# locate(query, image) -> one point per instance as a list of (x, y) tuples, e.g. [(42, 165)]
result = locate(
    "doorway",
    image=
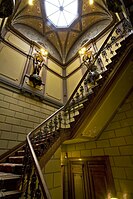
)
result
[(89, 178)]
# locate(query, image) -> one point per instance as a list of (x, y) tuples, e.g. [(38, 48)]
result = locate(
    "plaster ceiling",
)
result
[(62, 44)]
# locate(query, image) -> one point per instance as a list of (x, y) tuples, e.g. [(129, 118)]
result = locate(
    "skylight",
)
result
[(61, 13)]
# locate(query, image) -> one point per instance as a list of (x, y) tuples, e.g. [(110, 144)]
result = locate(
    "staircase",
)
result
[(10, 176), (22, 168)]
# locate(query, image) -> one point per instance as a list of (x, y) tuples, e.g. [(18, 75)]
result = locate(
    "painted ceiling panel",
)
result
[(62, 43)]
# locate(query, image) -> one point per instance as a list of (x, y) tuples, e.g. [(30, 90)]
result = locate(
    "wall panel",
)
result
[(73, 66), (12, 63), (53, 87), (72, 82), (17, 42), (55, 67)]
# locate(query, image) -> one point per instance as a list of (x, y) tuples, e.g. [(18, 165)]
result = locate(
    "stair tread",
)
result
[(16, 157), (7, 176), (8, 193), (10, 164)]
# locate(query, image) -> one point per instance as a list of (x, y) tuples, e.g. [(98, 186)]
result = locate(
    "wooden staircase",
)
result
[(47, 141)]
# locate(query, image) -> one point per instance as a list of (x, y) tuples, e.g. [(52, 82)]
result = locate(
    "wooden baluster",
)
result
[(109, 47), (104, 55), (55, 123), (28, 172), (86, 86), (60, 120), (82, 91), (38, 193), (65, 117), (33, 185), (73, 105)]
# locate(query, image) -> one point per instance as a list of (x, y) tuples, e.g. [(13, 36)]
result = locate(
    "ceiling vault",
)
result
[(62, 43)]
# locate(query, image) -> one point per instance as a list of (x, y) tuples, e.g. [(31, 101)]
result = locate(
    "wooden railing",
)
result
[(49, 131)]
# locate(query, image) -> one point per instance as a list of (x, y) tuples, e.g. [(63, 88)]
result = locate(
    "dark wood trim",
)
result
[(11, 152), (86, 163)]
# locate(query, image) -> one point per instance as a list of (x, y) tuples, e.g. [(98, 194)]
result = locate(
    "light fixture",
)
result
[(30, 2), (66, 155), (44, 52), (91, 2), (113, 198), (82, 51)]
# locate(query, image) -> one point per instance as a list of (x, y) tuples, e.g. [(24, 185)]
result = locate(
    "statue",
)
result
[(38, 63)]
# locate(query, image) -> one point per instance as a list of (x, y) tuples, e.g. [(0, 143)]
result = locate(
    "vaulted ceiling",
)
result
[(62, 43)]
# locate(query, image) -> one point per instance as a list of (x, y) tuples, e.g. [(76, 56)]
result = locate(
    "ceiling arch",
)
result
[(62, 43)]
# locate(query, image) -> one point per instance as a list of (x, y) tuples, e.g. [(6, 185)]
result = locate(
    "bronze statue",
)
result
[(38, 63)]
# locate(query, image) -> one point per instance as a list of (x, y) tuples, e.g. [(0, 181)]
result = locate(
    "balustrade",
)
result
[(47, 133)]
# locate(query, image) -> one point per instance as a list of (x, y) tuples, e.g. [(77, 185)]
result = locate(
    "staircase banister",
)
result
[(100, 50), (35, 160), (45, 121), (42, 183), (104, 43)]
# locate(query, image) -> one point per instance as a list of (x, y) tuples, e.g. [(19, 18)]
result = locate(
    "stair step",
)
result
[(127, 40), (10, 194), (21, 153), (11, 168), (9, 181), (16, 159)]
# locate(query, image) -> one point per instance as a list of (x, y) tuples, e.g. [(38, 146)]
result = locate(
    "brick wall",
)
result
[(18, 116), (117, 142), (52, 174)]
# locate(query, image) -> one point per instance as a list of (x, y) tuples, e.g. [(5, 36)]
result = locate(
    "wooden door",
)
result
[(90, 178), (98, 181), (78, 182)]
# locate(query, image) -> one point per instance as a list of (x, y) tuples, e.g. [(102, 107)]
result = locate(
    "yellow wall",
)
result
[(12, 64), (18, 116), (73, 81), (52, 174), (17, 62), (73, 66), (17, 42), (54, 87), (116, 141), (54, 67)]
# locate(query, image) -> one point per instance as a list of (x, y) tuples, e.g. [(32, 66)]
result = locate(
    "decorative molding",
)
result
[(17, 42), (11, 78), (53, 97)]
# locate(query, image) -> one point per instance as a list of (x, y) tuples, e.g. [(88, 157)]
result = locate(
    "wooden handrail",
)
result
[(33, 155), (6, 155)]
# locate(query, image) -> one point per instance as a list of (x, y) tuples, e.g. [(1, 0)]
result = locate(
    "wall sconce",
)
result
[(82, 51), (39, 59), (44, 52), (110, 197), (86, 54), (30, 2), (91, 2), (66, 155)]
